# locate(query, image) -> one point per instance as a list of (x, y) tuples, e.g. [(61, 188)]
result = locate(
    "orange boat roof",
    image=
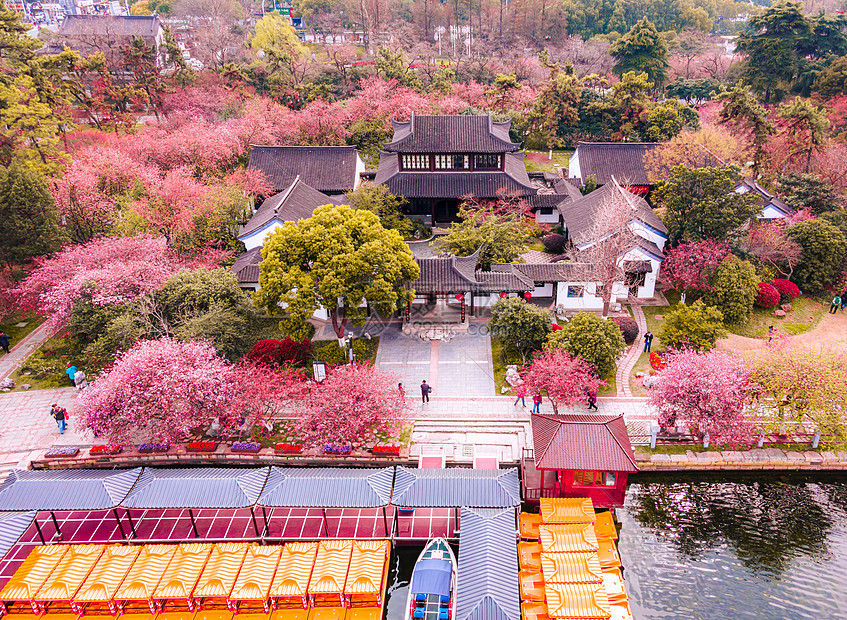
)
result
[(70, 573), (331, 565), (257, 573), (571, 568), (35, 570), (571, 537), (367, 566), (327, 613), (364, 613), (607, 551), (290, 614), (213, 614), (107, 575), (605, 526), (585, 601), (184, 571), (145, 574), (294, 570), (567, 510), (222, 569)]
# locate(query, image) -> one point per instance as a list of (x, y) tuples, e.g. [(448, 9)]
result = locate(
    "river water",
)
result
[(734, 548)]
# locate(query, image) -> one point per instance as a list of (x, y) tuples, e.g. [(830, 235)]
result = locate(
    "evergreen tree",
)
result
[(28, 217), (642, 49)]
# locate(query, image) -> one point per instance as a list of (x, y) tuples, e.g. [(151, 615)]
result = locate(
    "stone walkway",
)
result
[(630, 358), (19, 352)]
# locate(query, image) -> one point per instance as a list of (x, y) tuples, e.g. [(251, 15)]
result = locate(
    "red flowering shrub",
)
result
[(279, 352), (768, 296), (554, 243), (656, 361), (629, 328), (786, 288)]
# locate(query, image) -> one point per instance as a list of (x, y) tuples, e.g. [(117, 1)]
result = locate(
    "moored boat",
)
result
[(433, 583)]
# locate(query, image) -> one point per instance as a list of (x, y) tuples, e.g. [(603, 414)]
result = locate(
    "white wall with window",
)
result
[(547, 215)]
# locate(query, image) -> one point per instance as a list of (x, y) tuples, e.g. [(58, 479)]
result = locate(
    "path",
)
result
[(832, 330), (630, 358), (19, 352)]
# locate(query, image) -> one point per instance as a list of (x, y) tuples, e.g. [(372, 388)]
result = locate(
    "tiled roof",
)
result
[(567, 188), (542, 201), (582, 442), (197, 487), (246, 266), (143, 26), (455, 487), (328, 487), (296, 202), (623, 160), (539, 272), (763, 197), (325, 168), (579, 215), (458, 274), (68, 489), (649, 247), (451, 134), (513, 180), (487, 577)]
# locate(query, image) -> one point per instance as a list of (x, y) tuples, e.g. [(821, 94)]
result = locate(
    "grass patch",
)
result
[(500, 360), (15, 333), (536, 245), (611, 379), (805, 314), (536, 161), (683, 448), (45, 367)]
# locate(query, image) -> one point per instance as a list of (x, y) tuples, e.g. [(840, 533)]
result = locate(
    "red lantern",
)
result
[(528, 294), (502, 294), (460, 297)]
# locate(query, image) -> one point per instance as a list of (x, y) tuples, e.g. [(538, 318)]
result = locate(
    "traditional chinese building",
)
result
[(434, 161), (332, 170)]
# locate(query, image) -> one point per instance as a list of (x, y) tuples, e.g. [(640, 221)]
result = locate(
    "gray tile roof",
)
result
[(213, 487), (246, 266), (623, 160), (513, 179), (143, 26), (487, 582), (451, 134), (458, 274), (456, 487), (329, 169), (68, 489), (579, 215), (539, 272), (12, 527), (763, 197), (567, 188), (585, 442), (328, 487), (297, 201)]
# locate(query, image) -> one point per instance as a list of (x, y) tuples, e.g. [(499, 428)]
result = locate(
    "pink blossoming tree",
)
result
[(688, 267), (350, 406), (706, 392), (161, 390), (564, 379)]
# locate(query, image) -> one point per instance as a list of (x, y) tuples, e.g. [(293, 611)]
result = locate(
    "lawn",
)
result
[(804, 315), (45, 367), (537, 161), (15, 333)]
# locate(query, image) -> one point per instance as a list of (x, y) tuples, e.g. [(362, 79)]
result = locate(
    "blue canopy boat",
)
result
[(433, 583)]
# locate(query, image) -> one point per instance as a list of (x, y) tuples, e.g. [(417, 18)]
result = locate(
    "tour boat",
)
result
[(433, 583)]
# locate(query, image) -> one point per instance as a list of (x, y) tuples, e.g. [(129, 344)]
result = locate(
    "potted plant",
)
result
[(62, 452), (154, 446), (385, 450), (289, 448), (102, 451), (246, 447), (337, 449), (201, 446)]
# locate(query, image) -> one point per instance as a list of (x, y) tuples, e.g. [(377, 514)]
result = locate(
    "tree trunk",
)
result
[(338, 323)]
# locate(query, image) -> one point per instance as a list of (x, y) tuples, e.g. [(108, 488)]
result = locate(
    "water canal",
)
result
[(720, 548)]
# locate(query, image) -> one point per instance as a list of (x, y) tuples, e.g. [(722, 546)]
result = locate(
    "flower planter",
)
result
[(104, 451), (201, 446), (385, 450), (245, 448), (62, 452), (338, 450), (147, 448), (289, 448)]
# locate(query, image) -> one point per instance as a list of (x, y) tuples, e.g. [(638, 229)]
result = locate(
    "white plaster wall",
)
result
[(553, 218), (573, 165), (646, 233), (257, 239), (770, 213), (360, 168)]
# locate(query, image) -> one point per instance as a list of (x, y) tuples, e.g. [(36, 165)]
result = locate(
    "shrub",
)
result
[(786, 288), (332, 354), (629, 328), (823, 246), (734, 289), (554, 243), (697, 326), (520, 326), (588, 336), (768, 296), (279, 352)]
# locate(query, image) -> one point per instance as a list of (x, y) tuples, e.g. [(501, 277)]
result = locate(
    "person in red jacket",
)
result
[(536, 403)]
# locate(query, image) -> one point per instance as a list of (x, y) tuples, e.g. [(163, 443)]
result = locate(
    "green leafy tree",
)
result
[(520, 326), (742, 110), (807, 124), (396, 66), (339, 259), (629, 103), (666, 120), (499, 238), (28, 217), (693, 91), (385, 205), (282, 50), (734, 289), (832, 80), (695, 326), (592, 338), (366, 135), (700, 203), (556, 108), (442, 81), (823, 246), (505, 84), (808, 191), (642, 49)]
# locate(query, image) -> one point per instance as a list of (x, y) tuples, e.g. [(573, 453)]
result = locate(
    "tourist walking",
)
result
[(648, 341), (844, 300), (71, 371), (536, 403), (771, 332), (836, 303), (59, 414), (425, 390), (4, 341), (401, 390), (520, 392), (592, 400), (80, 381)]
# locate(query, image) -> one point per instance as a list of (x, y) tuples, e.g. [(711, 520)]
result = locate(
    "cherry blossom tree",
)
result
[(706, 392), (688, 267), (565, 380), (163, 389), (350, 406), (768, 242)]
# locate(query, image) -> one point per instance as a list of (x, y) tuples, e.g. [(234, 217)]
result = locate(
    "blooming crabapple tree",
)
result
[(350, 406), (163, 389), (707, 392), (688, 267), (565, 380)]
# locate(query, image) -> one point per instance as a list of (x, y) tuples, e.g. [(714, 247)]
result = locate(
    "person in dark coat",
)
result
[(425, 390), (592, 400), (648, 341), (59, 414), (4, 341)]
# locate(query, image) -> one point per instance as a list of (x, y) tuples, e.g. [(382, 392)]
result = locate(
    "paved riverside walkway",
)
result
[(740, 460)]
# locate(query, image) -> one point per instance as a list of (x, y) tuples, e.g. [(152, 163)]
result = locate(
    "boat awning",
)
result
[(487, 585), (432, 577), (33, 573), (66, 489), (570, 538), (184, 571), (257, 573), (294, 570), (327, 487), (456, 487), (12, 527), (367, 566), (197, 487), (146, 572), (70, 572), (331, 565), (108, 574), (567, 510), (221, 570)]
